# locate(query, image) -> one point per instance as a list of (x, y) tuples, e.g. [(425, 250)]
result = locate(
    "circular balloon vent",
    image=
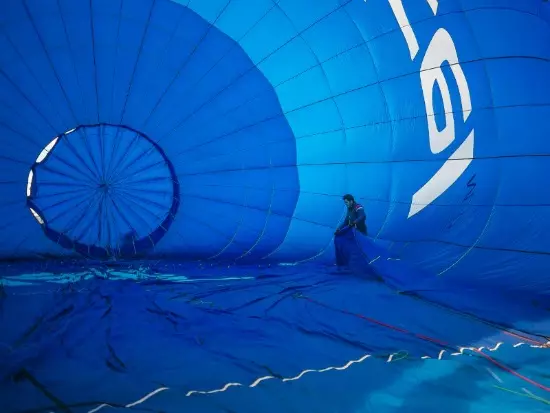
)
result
[(103, 191)]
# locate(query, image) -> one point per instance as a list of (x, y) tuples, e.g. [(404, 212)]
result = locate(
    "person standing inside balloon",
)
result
[(355, 218)]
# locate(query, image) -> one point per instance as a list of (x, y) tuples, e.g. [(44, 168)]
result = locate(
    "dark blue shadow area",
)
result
[(115, 335)]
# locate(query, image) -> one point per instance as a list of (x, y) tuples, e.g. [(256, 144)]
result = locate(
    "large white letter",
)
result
[(448, 174), (405, 26), (434, 4), (441, 49)]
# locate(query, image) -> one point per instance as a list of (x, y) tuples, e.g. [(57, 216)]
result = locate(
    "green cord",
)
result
[(531, 396)]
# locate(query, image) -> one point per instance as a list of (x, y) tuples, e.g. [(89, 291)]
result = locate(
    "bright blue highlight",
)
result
[(171, 176)]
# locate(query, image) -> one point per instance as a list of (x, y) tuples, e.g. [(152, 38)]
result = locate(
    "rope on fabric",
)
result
[(394, 357)]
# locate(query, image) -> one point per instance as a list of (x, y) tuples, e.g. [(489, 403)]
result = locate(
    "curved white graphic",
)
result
[(441, 49)]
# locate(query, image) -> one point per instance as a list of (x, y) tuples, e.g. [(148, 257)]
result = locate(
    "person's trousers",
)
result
[(342, 242)]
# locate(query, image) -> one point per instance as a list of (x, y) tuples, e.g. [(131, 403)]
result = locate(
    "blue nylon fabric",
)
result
[(225, 132), (236, 189), (78, 340)]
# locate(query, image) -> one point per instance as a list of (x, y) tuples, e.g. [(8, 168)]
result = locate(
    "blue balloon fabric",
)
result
[(97, 206), (172, 174)]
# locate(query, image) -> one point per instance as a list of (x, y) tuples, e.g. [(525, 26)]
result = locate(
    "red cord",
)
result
[(532, 341), (509, 370), (380, 323), (426, 338)]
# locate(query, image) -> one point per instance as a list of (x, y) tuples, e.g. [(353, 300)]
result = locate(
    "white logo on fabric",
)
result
[(441, 49)]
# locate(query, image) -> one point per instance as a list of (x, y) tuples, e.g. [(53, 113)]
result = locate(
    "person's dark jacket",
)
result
[(355, 217)]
